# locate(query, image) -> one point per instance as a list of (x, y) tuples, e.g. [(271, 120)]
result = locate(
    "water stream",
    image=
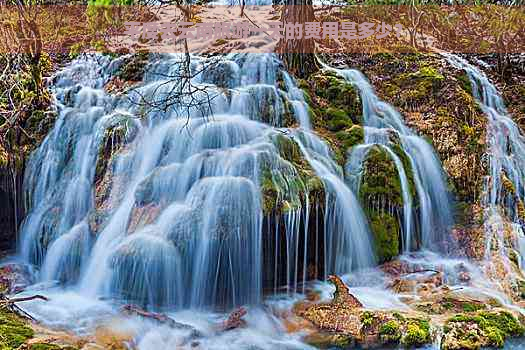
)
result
[(382, 125), (182, 225), (506, 155)]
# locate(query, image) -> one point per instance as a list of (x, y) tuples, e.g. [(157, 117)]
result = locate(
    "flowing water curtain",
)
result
[(198, 179), (504, 187), (385, 127)]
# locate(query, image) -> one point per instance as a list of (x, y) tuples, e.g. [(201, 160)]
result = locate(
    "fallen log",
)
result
[(234, 320), (8, 301), (160, 318), (193, 335)]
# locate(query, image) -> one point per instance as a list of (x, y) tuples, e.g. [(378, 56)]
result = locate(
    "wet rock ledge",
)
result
[(460, 324)]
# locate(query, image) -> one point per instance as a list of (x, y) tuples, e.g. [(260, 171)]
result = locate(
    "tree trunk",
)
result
[(298, 55)]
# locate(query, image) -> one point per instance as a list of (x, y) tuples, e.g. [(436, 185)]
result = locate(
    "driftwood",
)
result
[(234, 320), (10, 303), (160, 318), (165, 320), (7, 301)]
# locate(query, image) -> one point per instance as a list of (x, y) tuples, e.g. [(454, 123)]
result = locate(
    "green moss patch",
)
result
[(467, 331), (464, 82), (327, 340), (334, 91), (287, 181), (381, 183), (351, 137), (13, 331), (390, 332), (417, 333), (385, 229)]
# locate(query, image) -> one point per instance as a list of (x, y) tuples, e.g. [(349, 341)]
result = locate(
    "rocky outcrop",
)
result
[(344, 323), (436, 101), (483, 329)]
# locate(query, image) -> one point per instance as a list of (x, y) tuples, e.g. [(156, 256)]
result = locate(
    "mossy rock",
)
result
[(390, 332), (337, 119), (326, 340), (350, 137), (288, 149), (120, 131), (385, 229), (450, 304), (381, 181), (133, 69), (336, 93), (520, 284), (464, 82), (367, 319), (380, 177), (470, 332), (416, 333), (287, 179), (13, 331), (417, 87)]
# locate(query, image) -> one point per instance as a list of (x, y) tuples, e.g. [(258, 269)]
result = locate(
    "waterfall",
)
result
[(182, 221), (506, 145), (347, 234), (381, 120), (506, 154)]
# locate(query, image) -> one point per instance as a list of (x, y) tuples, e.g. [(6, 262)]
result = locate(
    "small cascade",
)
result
[(520, 245), (347, 235), (504, 187), (385, 128), (506, 145), (354, 170)]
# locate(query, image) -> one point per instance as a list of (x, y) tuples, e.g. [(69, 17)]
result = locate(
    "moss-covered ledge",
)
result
[(482, 329), (335, 110), (343, 323), (14, 331)]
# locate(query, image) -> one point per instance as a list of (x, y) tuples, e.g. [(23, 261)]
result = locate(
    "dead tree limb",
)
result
[(10, 304), (158, 317), (234, 320), (9, 301)]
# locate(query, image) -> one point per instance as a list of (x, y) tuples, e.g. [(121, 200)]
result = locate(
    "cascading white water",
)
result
[(200, 178), (346, 229), (506, 153), (506, 145), (380, 120)]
